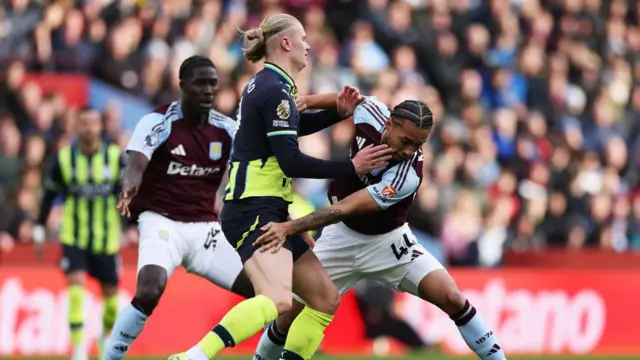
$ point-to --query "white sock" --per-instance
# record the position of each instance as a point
(267, 348)
(128, 326)
(477, 334)
(196, 353)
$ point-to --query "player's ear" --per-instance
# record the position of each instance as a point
(285, 43)
(181, 85)
(387, 124)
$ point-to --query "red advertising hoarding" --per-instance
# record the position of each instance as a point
(533, 311)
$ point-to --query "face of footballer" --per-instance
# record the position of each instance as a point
(199, 90)
(89, 126)
(404, 138)
(294, 40)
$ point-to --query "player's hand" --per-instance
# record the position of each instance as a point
(125, 200)
(275, 234)
(301, 103)
(371, 158)
(38, 236)
(308, 239)
(348, 99)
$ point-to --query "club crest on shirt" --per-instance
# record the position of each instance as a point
(284, 109)
(163, 234)
(215, 150)
(388, 191)
(151, 140)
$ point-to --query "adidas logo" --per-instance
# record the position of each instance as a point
(415, 254)
(178, 150)
(494, 349)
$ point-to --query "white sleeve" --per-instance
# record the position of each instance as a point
(373, 112)
(150, 132)
(399, 182)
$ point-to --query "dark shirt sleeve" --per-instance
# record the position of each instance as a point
(53, 186)
(313, 122)
(281, 122)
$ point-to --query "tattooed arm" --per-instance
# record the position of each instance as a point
(358, 203)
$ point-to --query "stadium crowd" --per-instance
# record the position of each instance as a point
(536, 102)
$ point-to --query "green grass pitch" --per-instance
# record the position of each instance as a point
(424, 356)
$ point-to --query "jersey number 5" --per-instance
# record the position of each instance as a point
(402, 248)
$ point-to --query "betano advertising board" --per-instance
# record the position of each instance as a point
(532, 311)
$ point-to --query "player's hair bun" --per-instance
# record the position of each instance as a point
(255, 40)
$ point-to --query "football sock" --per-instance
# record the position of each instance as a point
(110, 313)
(76, 313)
(127, 327)
(241, 322)
(306, 334)
(477, 334)
(271, 343)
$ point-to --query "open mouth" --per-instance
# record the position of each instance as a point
(206, 103)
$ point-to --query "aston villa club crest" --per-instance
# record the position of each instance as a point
(215, 150)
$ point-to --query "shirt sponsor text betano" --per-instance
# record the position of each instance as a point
(175, 168)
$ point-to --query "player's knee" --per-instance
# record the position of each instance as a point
(151, 283)
(147, 297)
(331, 301)
(326, 300)
(455, 301)
(282, 301)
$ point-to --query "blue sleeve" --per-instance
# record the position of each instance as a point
(281, 122)
(315, 121)
(398, 183)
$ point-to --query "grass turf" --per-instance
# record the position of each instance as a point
(425, 356)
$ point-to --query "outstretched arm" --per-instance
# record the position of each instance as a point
(339, 106)
(397, 183)
(282, 132)
(358, 203)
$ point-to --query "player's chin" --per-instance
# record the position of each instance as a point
(205, 104)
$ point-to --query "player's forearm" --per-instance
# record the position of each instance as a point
(295, 164)
(356, 204)
(134, 171)
(316, 220)
(45, 206)
(311, 123)
(321, 101)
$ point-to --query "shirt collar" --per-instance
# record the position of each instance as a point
(283, 74)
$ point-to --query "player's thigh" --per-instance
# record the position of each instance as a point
(241, 228)
(212, 256)
(160, 242)
(105, 269)
(398, 260)
(271, 276)
(74, 262)
(312, 283)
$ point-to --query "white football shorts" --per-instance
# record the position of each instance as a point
(198, 246)
(395, 258)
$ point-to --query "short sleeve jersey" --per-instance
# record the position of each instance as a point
(186, 163)
(393, 188)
